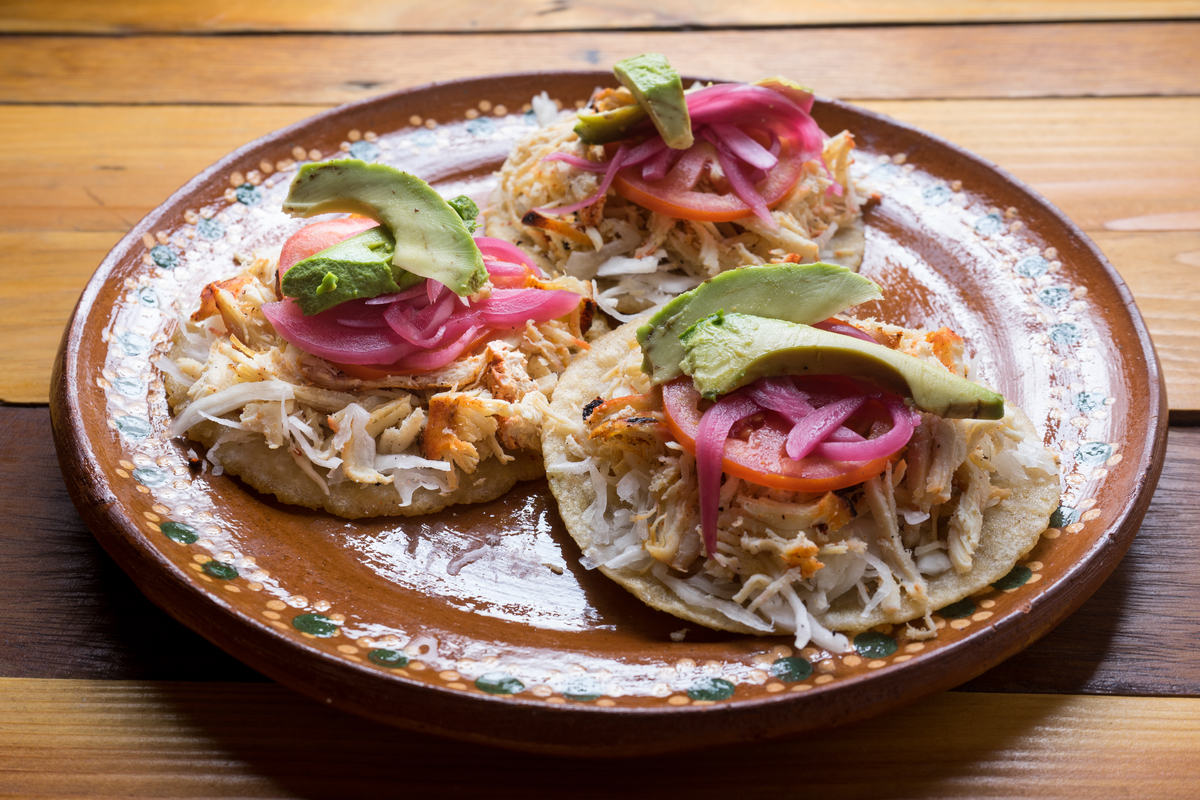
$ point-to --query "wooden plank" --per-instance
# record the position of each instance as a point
(112, 164)
(72, 613)
(142, 739)
(1160, 269)
(133, 157)
(887, 63)
(369, 16)
(87, 168)
(1098, 160)
(44, 274)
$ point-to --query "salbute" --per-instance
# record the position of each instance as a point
(388, 364)
(650, 189)
(815, 504)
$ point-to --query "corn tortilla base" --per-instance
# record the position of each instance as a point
(275, 472)
(1010, 529)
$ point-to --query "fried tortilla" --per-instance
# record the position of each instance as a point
(780, 548)
(293, 425)
(276, 472)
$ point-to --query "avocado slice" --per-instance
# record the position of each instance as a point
(609, 126)
(805, 293)
(659, 90)
(360, 266)
(431, 239)
(726, 351)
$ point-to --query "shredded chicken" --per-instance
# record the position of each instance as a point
(230, 369)
(640, 258)
(779, 551)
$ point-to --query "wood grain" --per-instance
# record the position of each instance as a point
(44, 274)
(1096, 159)
(905, 63)
(141, 16)
(72, 607)
(97, 168)
(1160, 269)
(171, 739)
(80, 170)
(103, 167)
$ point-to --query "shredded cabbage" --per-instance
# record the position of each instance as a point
(782, 557)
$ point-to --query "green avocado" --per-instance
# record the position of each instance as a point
(466, 209)
(804, 293)
(608, 126)
(726, 351)
(431, 239)
(360, 266)
(659, 90)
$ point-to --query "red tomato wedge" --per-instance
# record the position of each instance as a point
(316, 237)
(676, 194)
(762, 458)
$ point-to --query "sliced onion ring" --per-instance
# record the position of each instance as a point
(810, 432)
(714, 429)
(320, 335)
(904, 422)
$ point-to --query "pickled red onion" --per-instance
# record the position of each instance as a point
(812, 430)
(743, 146)
(416, 293)
(720, 115)
(904, 421)
(351, 322)
(815, 431)
(421, 328)
(434, 359)
(410, 333)
(619, 161)
(505, 253)
(505, 275)
(710, 450)
(782, 396)
(320, 335)
(579, 162)
(512, 307)
(434, 290)
(757, 107)
(655, 169)
(742, 186)
(836, 326)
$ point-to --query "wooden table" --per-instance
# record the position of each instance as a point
(108, 108)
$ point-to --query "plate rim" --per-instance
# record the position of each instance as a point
(570, 729)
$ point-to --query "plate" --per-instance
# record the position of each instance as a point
(479, 622)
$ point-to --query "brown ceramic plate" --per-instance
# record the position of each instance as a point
(479, 622)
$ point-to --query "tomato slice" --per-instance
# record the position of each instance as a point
(314, 238)
(676, 194)
(762, 457)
